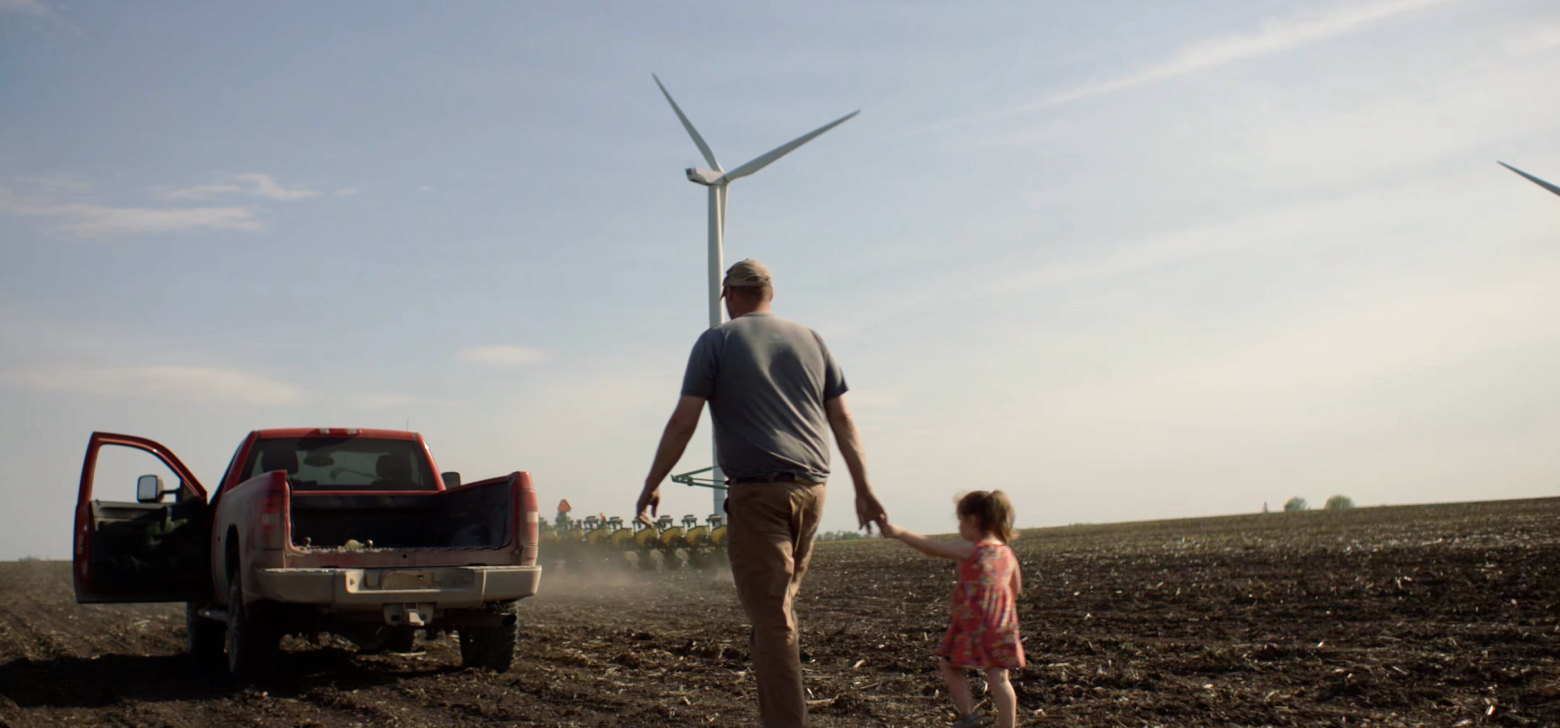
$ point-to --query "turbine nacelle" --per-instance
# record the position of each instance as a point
(718, 176)
(704, 177)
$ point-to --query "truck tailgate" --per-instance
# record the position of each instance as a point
(486, 523)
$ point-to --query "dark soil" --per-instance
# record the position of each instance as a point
(1444, 615)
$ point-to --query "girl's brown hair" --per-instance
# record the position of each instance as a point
(992, 510)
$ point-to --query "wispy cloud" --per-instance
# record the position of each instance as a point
(347, 192)
(57, 184)
(94, 221)
(502, 355)
(30, 7)
(263, 185)
(61, 198)
(180, 383)
(1273, 36)
(199, 192)
(1538, 41)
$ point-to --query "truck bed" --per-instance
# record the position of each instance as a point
(473, 517)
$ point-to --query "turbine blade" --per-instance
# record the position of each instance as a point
(704, 149)
(1532, 179)
(784, 149)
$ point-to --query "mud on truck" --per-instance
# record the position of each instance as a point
(344, 531)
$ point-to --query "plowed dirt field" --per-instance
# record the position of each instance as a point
(1445, 615)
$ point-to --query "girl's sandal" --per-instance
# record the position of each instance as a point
(973, 720)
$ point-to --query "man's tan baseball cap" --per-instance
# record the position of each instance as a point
(747, 273)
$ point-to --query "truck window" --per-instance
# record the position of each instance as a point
(343, 463)
(118, 468)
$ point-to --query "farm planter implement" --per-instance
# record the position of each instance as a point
(596, 542)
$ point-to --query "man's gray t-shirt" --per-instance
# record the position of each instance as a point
(766, 379)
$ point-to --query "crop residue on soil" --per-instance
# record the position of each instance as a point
(1418, 615)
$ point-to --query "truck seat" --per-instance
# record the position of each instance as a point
(279, 459)
(395, 473)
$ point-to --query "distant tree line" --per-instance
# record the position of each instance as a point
(1335, 503)
(839, 536)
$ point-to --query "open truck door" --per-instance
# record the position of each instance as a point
(155, 549)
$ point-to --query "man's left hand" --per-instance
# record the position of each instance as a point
(869, 510)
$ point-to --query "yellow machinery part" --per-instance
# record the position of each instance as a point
(696, 536)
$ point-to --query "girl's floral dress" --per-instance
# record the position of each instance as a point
(984, 632)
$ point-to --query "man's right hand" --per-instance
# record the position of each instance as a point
(649, 505)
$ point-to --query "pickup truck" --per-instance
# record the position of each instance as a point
(348, 531)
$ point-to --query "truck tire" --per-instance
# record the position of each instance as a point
(490, 648)
(253, 643)
(207, 638)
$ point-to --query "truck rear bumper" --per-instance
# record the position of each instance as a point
(372, 590)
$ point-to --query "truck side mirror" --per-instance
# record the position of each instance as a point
(149, 489)
(451, 480)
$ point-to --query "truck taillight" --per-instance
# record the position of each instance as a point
(527, 517)
(273, 512)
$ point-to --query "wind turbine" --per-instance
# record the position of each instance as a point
(718, 180)
(1532, 179)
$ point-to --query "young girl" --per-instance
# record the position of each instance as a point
(984, 633)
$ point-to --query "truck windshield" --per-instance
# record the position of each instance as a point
(343, 463)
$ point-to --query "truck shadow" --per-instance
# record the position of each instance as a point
(91, 682)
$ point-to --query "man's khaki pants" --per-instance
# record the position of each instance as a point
(771, 532)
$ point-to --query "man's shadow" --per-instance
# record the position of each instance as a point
(91, 682)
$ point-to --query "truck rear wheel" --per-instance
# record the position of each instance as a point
(490, 648)
(207, 638)
(253, 644)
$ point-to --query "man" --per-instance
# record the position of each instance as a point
(772, 387)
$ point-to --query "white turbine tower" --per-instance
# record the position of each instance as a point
(717, 180)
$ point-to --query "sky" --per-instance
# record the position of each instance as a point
(1123, 260)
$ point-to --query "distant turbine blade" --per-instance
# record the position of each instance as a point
(704, 149)
(781, 151)
(1532, 179)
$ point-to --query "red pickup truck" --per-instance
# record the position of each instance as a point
(347, 531)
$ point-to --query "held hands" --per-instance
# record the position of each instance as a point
(869, 511)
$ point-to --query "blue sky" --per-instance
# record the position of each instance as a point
(1122, 259)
